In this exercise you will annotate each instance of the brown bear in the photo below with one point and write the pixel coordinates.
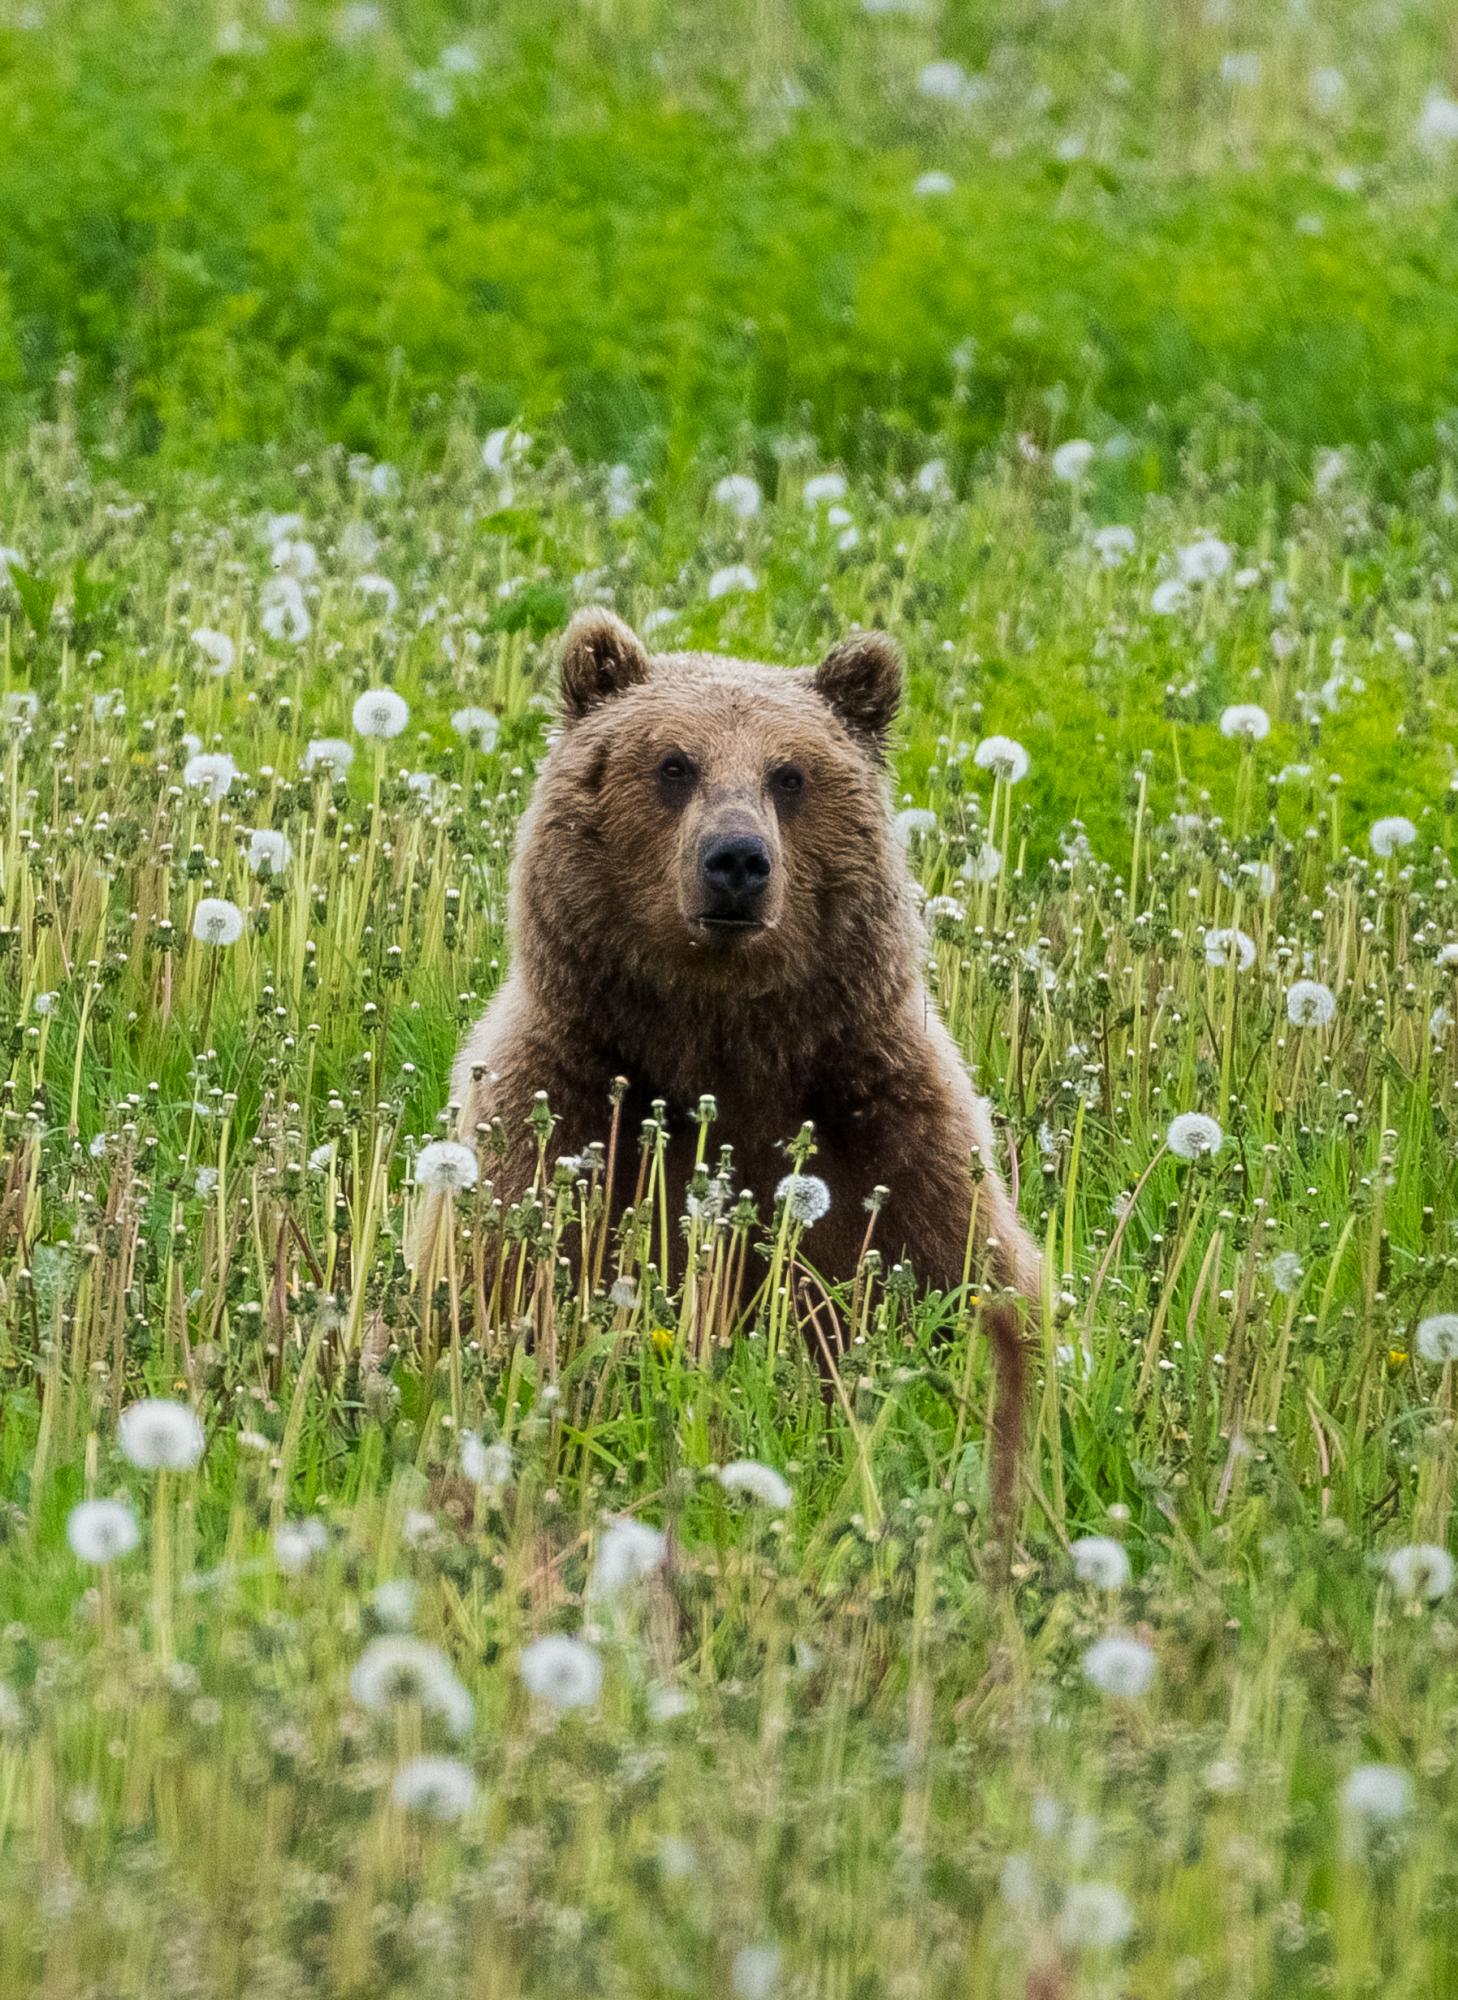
(708, 897)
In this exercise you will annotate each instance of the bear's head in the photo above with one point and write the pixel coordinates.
(711, 823)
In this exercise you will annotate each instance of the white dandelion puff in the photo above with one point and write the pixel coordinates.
(1437, 125)
(1095, 1916)
(1421, 1569)
(806, 1198)
(934, 481)
(563, 1672)
(1004, 756)
(446, 1166)
(1194, 1136)
(1389, 834)
(1230, 948)
(1246, 720)
(1287, 1272)
(282, 612)
(380, 712)
(216, 921)
(296, 1543)
(294, 556)
(757, 1482)
(210, 771)
(397, 1669)
(393, 1602)
(269, 849)
(328, 753)
(1203, 560)
(1119, 1665)
(914, 823)
(372, 585)
(158, 1435)
(1437, 1337)
(1168, 597)
(1309, 1004)
(732, 578)
(1072, 460)
(1377, 1794)
(216, 648)
(503, 447)
(628, 1551)
(1101, 1561)
(823, 489)
(983, 864)
(478, 726)
(1114, 545)
(946, 82)
(739, 495)
(100, 1531)
(933, 183)
(441, 1788)
(488, 1466)
(754, 1973)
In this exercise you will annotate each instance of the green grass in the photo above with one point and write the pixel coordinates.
(888, 1766)
(260, 262)
(664, 228)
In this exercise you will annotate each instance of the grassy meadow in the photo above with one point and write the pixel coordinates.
(528, 1626)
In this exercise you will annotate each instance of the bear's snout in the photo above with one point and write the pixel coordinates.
(734, 873)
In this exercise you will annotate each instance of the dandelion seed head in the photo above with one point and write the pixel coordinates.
(1226, 947)
(158, 1435)
(396, 1669)
(1004, 757)
(1194, 1136)
(269, 849)
(216, 921)
(739, 495)
(100, 1531)
(757, 1482)
(1421, 1569)
(1287, 1271)
(1096, 1916)
(731, 579)
(211, 772)
(216, 648)
(1388, 835)
(1101, 1561)
(823, 489)
(296, 1543)
(628, 1551)
(1377, 1794)
(1245, 720)
(381, 713)
(328, 753)
(1114, 545)
(1072, 460)
(1309, 1004)
(480, 728)
(1437, 1337)
(565, 1673)
(488, 1466)
(806, 1198)
(1119, 1665)
(446, 1166)
(440, 1788)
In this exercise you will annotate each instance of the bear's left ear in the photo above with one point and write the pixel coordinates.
(861, 680)
(601, 657)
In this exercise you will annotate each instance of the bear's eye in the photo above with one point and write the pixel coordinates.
(787, 782)
(676, 770)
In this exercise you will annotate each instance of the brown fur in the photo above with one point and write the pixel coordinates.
(822, 1014)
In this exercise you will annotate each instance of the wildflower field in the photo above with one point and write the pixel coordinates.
(529, 1624)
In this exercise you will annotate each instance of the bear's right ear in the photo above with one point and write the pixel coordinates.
(601, 657)
(861, 680)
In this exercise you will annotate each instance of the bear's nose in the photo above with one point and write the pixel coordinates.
(736, 871)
